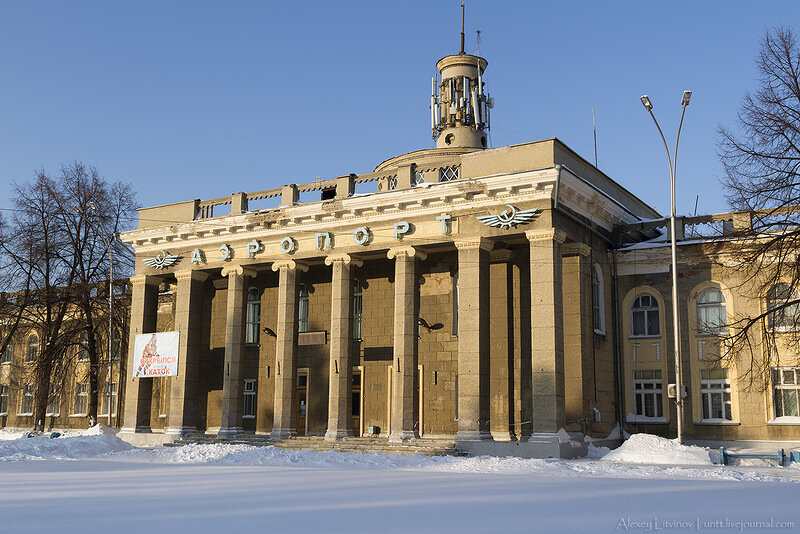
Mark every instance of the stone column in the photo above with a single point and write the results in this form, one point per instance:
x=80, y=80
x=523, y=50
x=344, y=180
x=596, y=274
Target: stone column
x=404, y=367
x=231, y=423
x=188, y=319
x=341, y=341
x=547, y=330
x=283, y=425
x=138, y=391
x=473, y=339
x=501, y=346
x=578, y=329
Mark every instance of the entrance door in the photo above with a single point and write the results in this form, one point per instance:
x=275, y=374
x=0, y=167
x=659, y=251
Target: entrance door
x=355, y=420
x=302, y=401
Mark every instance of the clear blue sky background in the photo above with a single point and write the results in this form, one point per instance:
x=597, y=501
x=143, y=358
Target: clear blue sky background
x=201, y=99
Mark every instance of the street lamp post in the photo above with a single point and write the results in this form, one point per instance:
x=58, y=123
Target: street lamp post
x=673, y=163
x=108, y=243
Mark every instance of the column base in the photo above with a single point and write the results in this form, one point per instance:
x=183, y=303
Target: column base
x=229, y=432
x=181, y=432
x=503, y=435
x=337, y=435
x=280, y=434
x=473, y=435
x=404, y=435
x=135, y=430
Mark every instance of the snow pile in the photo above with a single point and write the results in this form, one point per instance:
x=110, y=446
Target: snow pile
x=96, y=441
x=649, y=449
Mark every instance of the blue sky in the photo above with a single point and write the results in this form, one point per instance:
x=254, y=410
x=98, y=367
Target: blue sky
x=202, y=99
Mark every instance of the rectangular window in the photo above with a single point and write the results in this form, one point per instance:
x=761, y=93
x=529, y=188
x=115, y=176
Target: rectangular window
x=4, y=399
x=448, y=174
x=253, y=321
x=8, y=354
x=26, y=404
x=647, y=391
x=116, y=348
x=83, y=348
x=53, y=401
x=715, y=395
x=111, y=391
x=249, y=404
x=786, y=392
x=81, y=398
x=357, y=308
x=302, y=307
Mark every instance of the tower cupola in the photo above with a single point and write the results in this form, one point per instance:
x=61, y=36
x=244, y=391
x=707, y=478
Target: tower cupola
x=459, y=105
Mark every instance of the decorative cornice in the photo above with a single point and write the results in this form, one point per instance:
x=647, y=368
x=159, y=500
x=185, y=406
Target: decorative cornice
x=470, y=244
x=145, y=279
x=290, y=265
x=411, y=252
x=238, y=270
x=200, y=276
x=347, y=259
x=550, y=234
x=576, y=249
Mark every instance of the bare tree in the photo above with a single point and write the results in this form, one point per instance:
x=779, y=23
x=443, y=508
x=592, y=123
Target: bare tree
x=761, y=159
x=91, y=213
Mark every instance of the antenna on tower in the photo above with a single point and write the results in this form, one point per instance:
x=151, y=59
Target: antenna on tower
x=462, y=28
x=594, y=128
x=478, y=53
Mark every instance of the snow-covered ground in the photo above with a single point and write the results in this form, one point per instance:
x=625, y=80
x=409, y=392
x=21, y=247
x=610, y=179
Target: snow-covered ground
x=92, y=479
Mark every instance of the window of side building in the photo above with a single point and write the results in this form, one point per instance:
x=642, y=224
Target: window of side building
x=715, y=395
x=54, y=401
x=712, y=317
x=8, y=354
x=644, y=316
x=647, y=391
x=81, y=404
x=110, y=394
x=31, y=348
x=26, y=400
x=253, y=321
x=4, y=399
x=786, y=392
x=783, y=308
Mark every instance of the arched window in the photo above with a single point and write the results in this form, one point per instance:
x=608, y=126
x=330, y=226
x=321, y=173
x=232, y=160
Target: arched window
x=644, y=316
x=598, y=299
x=711, y=314
x=357, y=306
x=302, y=305
x=253, y=321
x=32, y=348
x=783, y=308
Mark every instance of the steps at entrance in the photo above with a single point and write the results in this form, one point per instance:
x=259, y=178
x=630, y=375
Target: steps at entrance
x=364, y=445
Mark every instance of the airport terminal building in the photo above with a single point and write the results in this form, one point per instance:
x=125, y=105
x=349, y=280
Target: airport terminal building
x=510, y=300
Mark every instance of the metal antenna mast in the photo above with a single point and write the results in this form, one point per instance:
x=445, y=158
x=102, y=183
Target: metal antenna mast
x=462, y=28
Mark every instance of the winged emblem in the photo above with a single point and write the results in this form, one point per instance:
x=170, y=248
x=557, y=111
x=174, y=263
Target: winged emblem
x=162, y=261
x=509, y=217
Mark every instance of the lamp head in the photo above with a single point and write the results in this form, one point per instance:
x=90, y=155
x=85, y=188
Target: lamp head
x=687, y=96
x=646, y=102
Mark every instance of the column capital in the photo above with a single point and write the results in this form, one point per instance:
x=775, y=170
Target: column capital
x=411, y=252
x=471, y=244
x=550, y=234
x=200, y=276
x=347, y=259
x=290, y=265
x=576, y=249
x=145, y=279
x=238, y=270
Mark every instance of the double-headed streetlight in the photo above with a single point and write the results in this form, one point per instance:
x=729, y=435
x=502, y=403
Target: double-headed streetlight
x=109, y=246
x=673, y=163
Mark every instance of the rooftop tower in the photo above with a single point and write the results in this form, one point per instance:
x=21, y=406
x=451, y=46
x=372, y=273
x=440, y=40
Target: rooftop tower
x=459, y=105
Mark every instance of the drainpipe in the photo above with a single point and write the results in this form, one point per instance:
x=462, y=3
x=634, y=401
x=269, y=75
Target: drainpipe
x=617, y=352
